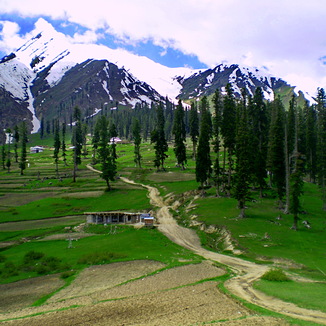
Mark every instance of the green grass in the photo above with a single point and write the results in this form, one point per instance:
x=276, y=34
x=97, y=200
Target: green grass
x=63, y=206
x=306, y=246
x=127, y=244
x=307, y=295
x=303, y=250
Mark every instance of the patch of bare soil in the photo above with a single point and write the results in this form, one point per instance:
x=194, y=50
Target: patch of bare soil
x=189, y=305
x=170, y=176
x=182, y=306
x=84, y=194
x=23, y=198
x=102, y=277
x=65, y=236
x=39, y=224
x=21, y=294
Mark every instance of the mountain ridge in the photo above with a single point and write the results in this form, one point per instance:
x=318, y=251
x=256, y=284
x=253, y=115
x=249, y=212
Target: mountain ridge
x=48, y=75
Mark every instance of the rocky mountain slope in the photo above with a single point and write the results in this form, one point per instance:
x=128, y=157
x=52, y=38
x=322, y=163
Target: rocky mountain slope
x=48, y=76
x=206, y=82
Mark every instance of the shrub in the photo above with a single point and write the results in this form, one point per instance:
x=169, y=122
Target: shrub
x=31, y=256
x=275, y=275
x=98, y=258
x=67, y=274
x=2, y=258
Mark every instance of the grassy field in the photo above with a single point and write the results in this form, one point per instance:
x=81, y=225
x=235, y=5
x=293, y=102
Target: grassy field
x=39, y=204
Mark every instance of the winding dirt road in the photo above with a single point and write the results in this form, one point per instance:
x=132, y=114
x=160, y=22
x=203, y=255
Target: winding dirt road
x=247, y=272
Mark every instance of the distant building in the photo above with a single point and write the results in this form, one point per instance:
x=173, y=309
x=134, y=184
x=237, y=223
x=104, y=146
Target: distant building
x=114, y=140
x=118, y=217
x=36, y=149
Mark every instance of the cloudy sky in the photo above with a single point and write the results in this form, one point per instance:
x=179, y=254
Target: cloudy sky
x=288, y=37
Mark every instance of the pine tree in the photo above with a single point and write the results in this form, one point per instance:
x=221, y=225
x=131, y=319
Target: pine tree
x=136, y=132
x=108, y=165
x=16, y=138
x=158, y=138
x=216, y=142
x=321, y=143
x=203, y=159
x=113, y=134
x=276, y=157
x=56, y=145
x=290, y=139
x=296, y=189
x=311, y=141
x=63, y=146
x=42, y=128
x=257, y=117
x=24, y=140
x=84, y=145
x=3, y=156
x=179, y=132
x=242, y=169
x=228, y=131
x=194, y=128
x=96, y=140
x=8, y=162
x=77, y=141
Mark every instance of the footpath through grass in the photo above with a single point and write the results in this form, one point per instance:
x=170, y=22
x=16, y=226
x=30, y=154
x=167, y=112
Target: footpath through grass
x=264, y=236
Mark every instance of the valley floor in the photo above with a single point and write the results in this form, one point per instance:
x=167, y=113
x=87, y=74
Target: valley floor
x=144, y=293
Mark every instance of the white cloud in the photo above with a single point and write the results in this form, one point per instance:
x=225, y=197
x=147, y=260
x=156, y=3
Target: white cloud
x=9, y=39
x=284, y=35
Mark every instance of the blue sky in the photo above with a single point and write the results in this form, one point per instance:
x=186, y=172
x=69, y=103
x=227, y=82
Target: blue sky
x=169, y=57
x=285, y=36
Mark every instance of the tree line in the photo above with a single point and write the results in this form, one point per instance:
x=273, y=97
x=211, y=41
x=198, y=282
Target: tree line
x=237, y=143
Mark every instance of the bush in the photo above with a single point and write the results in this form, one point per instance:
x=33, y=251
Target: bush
x=98, y=258
x=9, y=270
x=67, y=274
x=2, y=258
x=32, y=256
x=275, y=275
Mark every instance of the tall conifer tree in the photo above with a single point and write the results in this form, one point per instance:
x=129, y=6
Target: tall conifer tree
x=194, y=128
x=136, y=133
x=228, y=130
x=24, y=139
x=179, y=132
x=57, y=145
x=311, y=140
x=16, y=138
x=321, y=143
x=242, y=169
x=290, y=139
x=276, y=157
x=159, y=140
x=203, y=159
x=108, y=165
x=77, y=141
x=257, y=117
x=63, y=147
x=217, y=102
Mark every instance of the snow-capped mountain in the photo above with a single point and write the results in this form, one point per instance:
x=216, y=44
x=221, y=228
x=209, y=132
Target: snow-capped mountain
x=249, y=78
x=49, y=75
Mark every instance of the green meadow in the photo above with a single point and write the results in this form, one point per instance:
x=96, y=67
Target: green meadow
x=40, y=204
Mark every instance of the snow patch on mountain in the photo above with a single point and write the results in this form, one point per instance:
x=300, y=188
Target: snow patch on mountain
x=14, y=77
x=58, y=71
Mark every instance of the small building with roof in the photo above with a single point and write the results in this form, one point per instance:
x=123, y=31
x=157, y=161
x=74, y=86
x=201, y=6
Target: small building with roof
x=119, y=217
x=36, y=149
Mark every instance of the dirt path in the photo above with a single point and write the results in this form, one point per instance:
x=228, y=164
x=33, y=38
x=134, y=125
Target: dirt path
x=247, y=272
